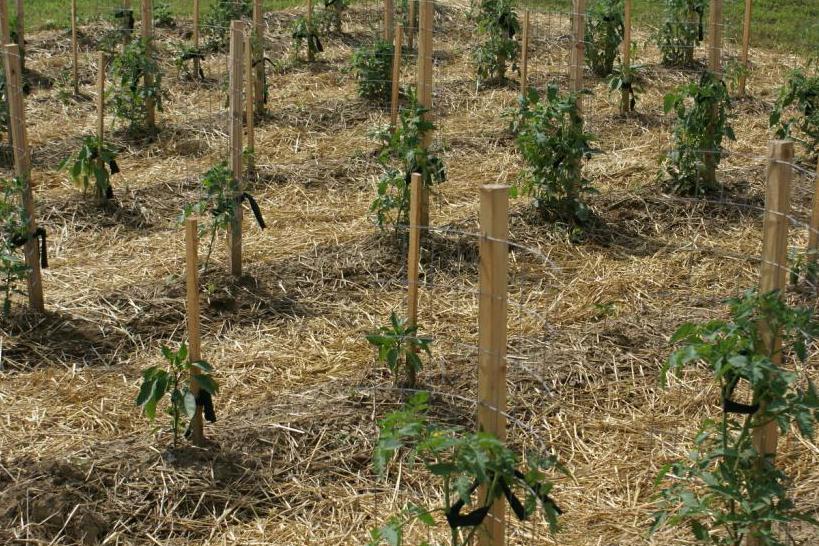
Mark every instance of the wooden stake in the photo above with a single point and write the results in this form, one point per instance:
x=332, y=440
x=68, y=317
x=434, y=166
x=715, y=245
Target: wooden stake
x=772, y=274
x=494, y=258
x=812, y=255
x=21, y=41
x=126, y=34
x=389, y=14
x=249, y=102
x=396, y=75
x=235, y=131
x=425, y=85
x=413, y=260
x=746, y=42
x=715, y=38
x=101, y=99
x=411, y=22
x=625, y=99
x=197, y=67
x=147, y=35
x=4, y=23
x=22, y=168
x=75, y=70
x=524, y=55
x=258, y=57
x=310, y=54
x=192, y=308
x=578, y=51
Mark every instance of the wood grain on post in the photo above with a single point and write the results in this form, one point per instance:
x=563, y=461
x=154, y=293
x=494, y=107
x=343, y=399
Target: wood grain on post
x=389, y=18
x=197, y=67
x=812, y=255
x=426, y=18
x=625, y=99
x=411, y=22
x=258, y=55
x=492, y=307
x=4, y=23
x=101, y=100
x=147, y=36
x=396, y=75
x=413, y=260
x=20, y=28
x=22, y=168
x=75, y=70
x=715, y=38
x=524, y=54
x=310, y=54
x=235, y=132
x=249, y=102
x=578, y=50
x=746, y=43
x=192, y=308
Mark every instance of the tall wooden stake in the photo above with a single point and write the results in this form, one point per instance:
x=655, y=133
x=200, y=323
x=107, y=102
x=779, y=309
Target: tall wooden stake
x=197, y=67
x=21, y=40
x=22, y=168
x=524, y=55
x=772, y=275
x=746, y=42
x=494, y=257
x=625, y=99
x=258, y=56
x=425, y=84
x=235, y=131
x=4, y=23
x=192, y=308
x=396, y=75
x=75, y=69
x=578, y=50
x=812, y=255
x=413, y=259
x=249, y=102
x=715, y=38
x=101, y=99
x=411, y=22
x=389, y=15
x=310, y=54
x=147, y=35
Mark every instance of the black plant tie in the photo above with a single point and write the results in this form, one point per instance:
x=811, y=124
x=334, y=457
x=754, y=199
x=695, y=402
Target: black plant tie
x=112, y=165
x=18, y=240
x=254, y=206
x=109, y=192
x=731, y=406
x=701, y=12
x=205, y=401
x=314, y=39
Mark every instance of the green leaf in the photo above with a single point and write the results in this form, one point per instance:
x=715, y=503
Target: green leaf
x=206, y=383
x=190, y=404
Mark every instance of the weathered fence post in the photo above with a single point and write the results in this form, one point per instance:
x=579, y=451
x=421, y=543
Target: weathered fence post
x=22, y=168
x=413, y=258
x=715, y=38
x=310, y=54
x=197, y=66
x=396, y=76
x=235, y=131
x=625, y=98
x=249, y=102
x=812, y=253
x=75, y=69
x=411, y=22
x=578, y=50
x=389, y=18
x=192, y=308
x=4, y=24
x=21, y=40
x=258, y=56
x=426, y=18
x=773, y=274
x=746, y=42
x=101, y=100
x=147, y=36
x=492, y=305
x=524, y=54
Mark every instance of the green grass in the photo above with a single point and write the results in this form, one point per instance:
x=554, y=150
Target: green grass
x=790, y=25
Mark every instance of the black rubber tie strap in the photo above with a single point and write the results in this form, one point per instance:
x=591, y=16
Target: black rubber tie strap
x=205, y=400
x=254, y=206
x=473, y=518
x=731, y=406
x=18, y=240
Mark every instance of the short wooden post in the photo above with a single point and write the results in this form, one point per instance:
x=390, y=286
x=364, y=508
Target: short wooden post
x=396, y=75
x=101, y=99
x=310, y=54
x=812, y=254
x=578, y=50
x=625, y=99
x=22, y=168
x=21, y=40
x=411, y=21
x=413, y=259
x=235, y=131
x=772, y=275
x=492, y=306
x=147, y=36
x=715, y=38
x=524, y=55
x=258, y=56
x=192, y=308
x=249, y=102
x=389, y=14
x=197, y=66
x=746, y=42
x=75, y=69
x=426, y=18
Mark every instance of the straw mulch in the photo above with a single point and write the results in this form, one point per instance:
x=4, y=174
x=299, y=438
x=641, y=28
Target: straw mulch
x=290, y=460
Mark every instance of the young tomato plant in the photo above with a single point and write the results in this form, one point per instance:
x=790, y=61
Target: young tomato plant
x=796, y=111
x=163, y=15
x=174, y=379
x=726, y=492
x=401, y=155
x=463, y=461
x=13, y=268
x=304, y=31
x=217, y=22
x=626, y=78
x=332, y=15
x=373, y=70
x=94, y=161
x=553, y=142
x=399, y=346
x=220, y=200
x=702, y=124
x=681, y=32
x=131, y=93
x=497, y=24
x=604, y=34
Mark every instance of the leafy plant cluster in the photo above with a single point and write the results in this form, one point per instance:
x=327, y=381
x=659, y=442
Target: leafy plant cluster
x=373, y=69
x=463, y=462
x=175, y=379
x=329, y=19
x=604, y=33
x=131, y=92
x=305, y=32
x=497, y=24
x=681, y=32
x=13, y=222
x=702, y=123
x=217, y=23
x=399, y=346
x=401, y=155
x=796, y=111
x=727, y=491
x=553, y=142
x=163, y=15
x=626, y=78
x=92, y=166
